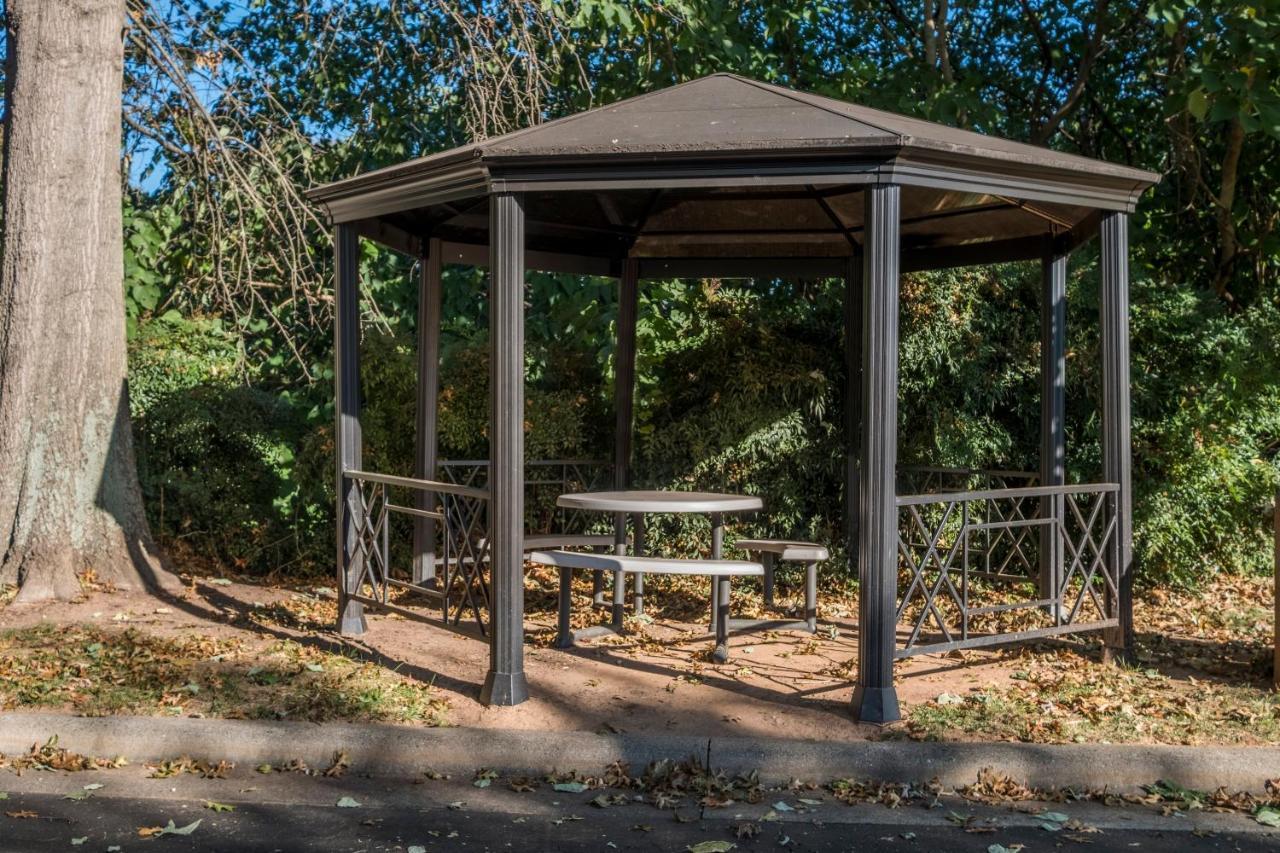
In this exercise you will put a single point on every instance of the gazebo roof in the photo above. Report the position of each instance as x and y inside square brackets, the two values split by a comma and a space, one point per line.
[727, 167]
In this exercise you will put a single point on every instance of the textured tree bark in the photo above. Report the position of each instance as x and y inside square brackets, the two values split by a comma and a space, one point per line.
[69, 495]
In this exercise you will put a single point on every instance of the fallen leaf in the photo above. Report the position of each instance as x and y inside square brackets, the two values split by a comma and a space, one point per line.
[1268, 816]
[171, 829]
[416, 848]
[570, 787]
[711, 847]
[780, 806]
[341, 764]
[94, 786]
[76, 842]
[348, 803]
[218, 807]
[22, 814]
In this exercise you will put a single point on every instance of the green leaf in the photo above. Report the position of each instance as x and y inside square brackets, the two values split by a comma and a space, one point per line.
[76, 842]
[570, 787]
[171, 829]
[348, 803]
[1268, 816]
[218, 807]
[1198, 104]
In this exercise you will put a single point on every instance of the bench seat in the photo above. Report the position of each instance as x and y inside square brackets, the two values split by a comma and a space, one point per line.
[646, 565]
[720, 570]
[544, 541]
[787, 550]
[772, 551]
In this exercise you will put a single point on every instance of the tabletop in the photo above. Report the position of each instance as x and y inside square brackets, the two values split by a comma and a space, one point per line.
[660, 501]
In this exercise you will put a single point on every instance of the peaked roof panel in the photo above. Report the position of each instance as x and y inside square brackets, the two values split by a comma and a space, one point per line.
[731, 119]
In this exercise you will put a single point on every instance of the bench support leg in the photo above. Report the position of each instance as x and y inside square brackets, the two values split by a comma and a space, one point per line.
[721, 653]
[619, 599]
[564, 633]
[597, 588]
[638, 594]
[811, 597]
[715, 605]
[767, 560]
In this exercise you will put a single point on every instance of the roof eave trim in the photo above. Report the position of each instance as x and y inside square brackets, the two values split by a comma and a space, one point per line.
[408, 191]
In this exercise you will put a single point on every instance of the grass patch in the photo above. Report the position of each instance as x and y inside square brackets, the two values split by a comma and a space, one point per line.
[96, 671]
[1201, 677]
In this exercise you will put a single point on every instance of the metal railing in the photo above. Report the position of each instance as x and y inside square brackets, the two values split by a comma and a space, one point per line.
[943, 595]
[544, 481]
[461, 523]
[1009, 554]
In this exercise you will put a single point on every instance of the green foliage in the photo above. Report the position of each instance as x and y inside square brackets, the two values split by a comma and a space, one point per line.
[218, 457]
[739, 387]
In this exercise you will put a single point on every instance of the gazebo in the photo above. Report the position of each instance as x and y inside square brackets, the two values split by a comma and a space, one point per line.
[728, 177]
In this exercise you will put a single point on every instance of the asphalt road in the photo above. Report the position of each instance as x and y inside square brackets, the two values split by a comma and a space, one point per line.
[288, 812]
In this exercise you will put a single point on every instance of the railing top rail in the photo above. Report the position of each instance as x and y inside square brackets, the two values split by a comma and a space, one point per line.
[531, 463]
[414, 483]
[999, 494]
[990, 472]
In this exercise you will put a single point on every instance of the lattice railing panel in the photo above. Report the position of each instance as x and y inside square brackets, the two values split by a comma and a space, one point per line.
[959, 550]
[460, 513]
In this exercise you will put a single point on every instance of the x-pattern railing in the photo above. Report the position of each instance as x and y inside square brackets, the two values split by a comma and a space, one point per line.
[460, 513]
[944, 577]
[1006, 553]
[544, 480]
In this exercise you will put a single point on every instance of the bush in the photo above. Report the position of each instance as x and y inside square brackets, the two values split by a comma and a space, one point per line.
[217, 457]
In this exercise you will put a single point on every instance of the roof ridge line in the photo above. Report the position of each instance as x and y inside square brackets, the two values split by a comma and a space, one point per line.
[794, 96]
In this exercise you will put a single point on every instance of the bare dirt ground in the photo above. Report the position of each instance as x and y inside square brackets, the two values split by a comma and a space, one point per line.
[658, 678]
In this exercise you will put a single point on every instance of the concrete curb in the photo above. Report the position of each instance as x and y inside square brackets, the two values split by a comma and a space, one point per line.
[386, 750]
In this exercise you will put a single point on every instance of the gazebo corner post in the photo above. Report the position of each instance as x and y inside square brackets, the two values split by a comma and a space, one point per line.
[1053, 404]
[427, 448]
[624, 394]
[624, 374]
[348, 436]
[1116, 441]
[852, 397]
[505, 683]
[875, 699]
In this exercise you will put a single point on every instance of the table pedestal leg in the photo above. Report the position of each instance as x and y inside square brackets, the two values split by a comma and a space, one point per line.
[717, 549]
[637, 531]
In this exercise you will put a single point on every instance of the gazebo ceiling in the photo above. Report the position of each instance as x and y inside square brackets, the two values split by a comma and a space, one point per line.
[729, 168]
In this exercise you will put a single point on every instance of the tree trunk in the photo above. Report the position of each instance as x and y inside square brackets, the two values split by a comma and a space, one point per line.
[69, 495]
